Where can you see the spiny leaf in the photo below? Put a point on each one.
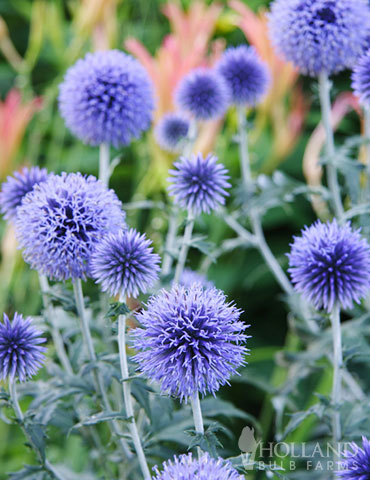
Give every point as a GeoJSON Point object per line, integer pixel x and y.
{"type": "Point", "coordinates": [116, 309]}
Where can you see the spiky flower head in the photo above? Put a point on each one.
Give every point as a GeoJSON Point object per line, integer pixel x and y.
{"type": "Point", "coordinates": [124, 263]}
{"type": "Point", "coordinates": [21, 355]}
{"type": "Point", "coordinates": [107, 97]}
{"type": "Point", "coordinates": [330, 264]}
{"type": "Point", "coordinates": [185, 467]}
{"type": "Point", "coordinates": [199, 183]}
{"type": "Point", "coordinates": [320, 36]}
{"type": "Point", "coordinates": [60, 222]}
{"type": "Point", "coordinates": [189, 277]}
{"type": "Point", "coordinates": [191, 340]}
{"type": "Point", "coordinates": [361, 79]}
{"type": "Point", "coordinates": [172, 131]}
{"type": "Point", "coordinates": [246, 75]}
{"type": "Point", "coordinates": [356, 464]}
{"type": "Point", "coordinates": [203, 93]}
{"type": "Point", "coordinates": [16, 187]}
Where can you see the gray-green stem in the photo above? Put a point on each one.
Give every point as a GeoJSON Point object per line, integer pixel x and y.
{"type": "Point", "coordinates": [185, 246]}
{"type": "Point", "coordinates": [367, 145]}
{"type": "Point", "coordinates": [104, 163]}
{"type": "Point", "coordinates": [324, 90]}
{"type": "Point", "coordinates": [20, 417]}
{"type": "Point", "coordinates": [198, 418]}
{"type": "Point", "coordinates": [337, 375]}
{"type": "Point", "coordinates": [126, 387]}
{"type": "Point", "coordinates": [55, 333]}
{"type": "Point", "coordinates": [259, 237]}
{"type": "Point", "coordinates": [98, 380]}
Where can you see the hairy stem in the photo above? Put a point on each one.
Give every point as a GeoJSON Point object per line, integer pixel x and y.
{"type": "Point", "coordinates": [104, 167]}
{"type": "Point", "coordinates": [324, 90]}
{"type": "Point", "coordinates": [20, 417]}
{"type": "Point", "coordinates": [185, 246]}
{"type": "Point", "coordinates": [259, 237]}
{"type": "Point", "coordinates": [126, 386]}
{"type": "Point", "coordinates": [55, 333]}
{"type": "Point", "coordinates": [198, 418]}
{"type": "Point", "coordinates": [337, 376]}
{"type": "Point", "coordinates": [98, 380]}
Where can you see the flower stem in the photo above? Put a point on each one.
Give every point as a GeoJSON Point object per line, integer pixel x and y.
{"type": "Point", "coordinates": [170, 242]}
{"type": "Point", "coordinates": [185, 246]}
{"type": "Point", "coordinates": [198, 418]}
{"type": "Point", "coordinates": [20, 417]}
{"type": "Point", "coordinates": [324, 90]}
{"type": "Point", "coordinates": [367, 146]}
{"type": "Point", "coordinates": [243, 149]}
{"type": "Point", "coordinates": [104, 168]}
{"type": "Point", "coordinates": [337, 376]}
{"type": "Point", "coordinates": [98, 380]}
{"type": "Point", "coordinates": [259, 237]}
{"type": "Point", "coordinates": [55, 333]}
{"type": "Point", "coordinates": [126, 386]}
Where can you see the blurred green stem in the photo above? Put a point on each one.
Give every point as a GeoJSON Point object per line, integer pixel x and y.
{"type": "Point", "coordinates": [104, 167]}
{"type": "Point", "coordinates": [185, 246]}
{"type": "Point", "coordinates": [20, 417]}
{"type": "Point", "coordinates": [170, 242]}
{"type": "Point", "coordinates": [337, 376]}
{"type": "Point", "coordinates": [198, 418]}
{"type": "Point", "coordinates": [98, 380]}
{"type": "Point", "coordinates": [55, 333]}
{"type": "Point", "coordinates": [324, 90]}
{"type": "Point", "coordinates": [126, 386]}
{"type": "Point", "coordinates": [259, 236]}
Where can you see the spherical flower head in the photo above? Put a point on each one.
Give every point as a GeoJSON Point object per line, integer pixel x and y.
{"type": "Point", "coordinates": [60, 222]}
{"type": "Point", "coordinates": [124, 263]}
{"type": "Point", "coordinates": [330, 264]}
{"type": "Point", "coordinates": [320, 36]}
{"type": "Point", "coordinates": [191, 340]}
{"type": "Point", "coordinates": [17, 186]}
{"type": "Point", "coordinates": [246, 75]}
{"type": "Point", "coordinates": [185, 467]}
{"type": "Point", "coordinates": [203, 93]}
{"type": "Point", "coordinates": [198, 183]}
{"type": "Point", "coordinates": [21, 355]}
{"type": "Point", "coordinates": [356, 465]}
{"type": "Point", "coordinates": [107, 97]}
{"type": "Point", "coordinates": [172, 131]}
{"type": "Point", "coordinates": [361, 80]}
{"type": "Point", "coordinates": [189, 277]}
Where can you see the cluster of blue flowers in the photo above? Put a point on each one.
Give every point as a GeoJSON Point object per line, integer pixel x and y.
{"type": "Point", "coordinates": [191, 339]}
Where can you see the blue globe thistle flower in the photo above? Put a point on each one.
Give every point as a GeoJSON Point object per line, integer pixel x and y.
{"type": "Point", "coordinates": [185, 467]}
{"type": "Point", "coordinates": [21, 355]}
{"type": "Point", "coordinates": [247, 76]}
{"type": "Point", "coordinates": [203, 93]}
{"type": "Point", "coordinates": [189, 277]}
{"type": "Point", "coordinates": [171, 131]}
{"type": "Point", "coordinates": [191, 341]}
{"type": "Point", "coordinates": [320, 36]}
{"type": "Point", "coordinates": [199, 183]}
{"type": "Point", "coordinates": [107, 97]}
{"type": "Point", "coordinates": [124, 263]}
{"type": "Point", "coordinates": [61, 220]}
{"type": "Point", "coordinates": [330, 263]}
{"type": "Point", "coordinates": [361, 79]}
{"type": "Point", "coordinates": [356, 465]}
{"type": "Point", "coordinates": [17, 186]}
